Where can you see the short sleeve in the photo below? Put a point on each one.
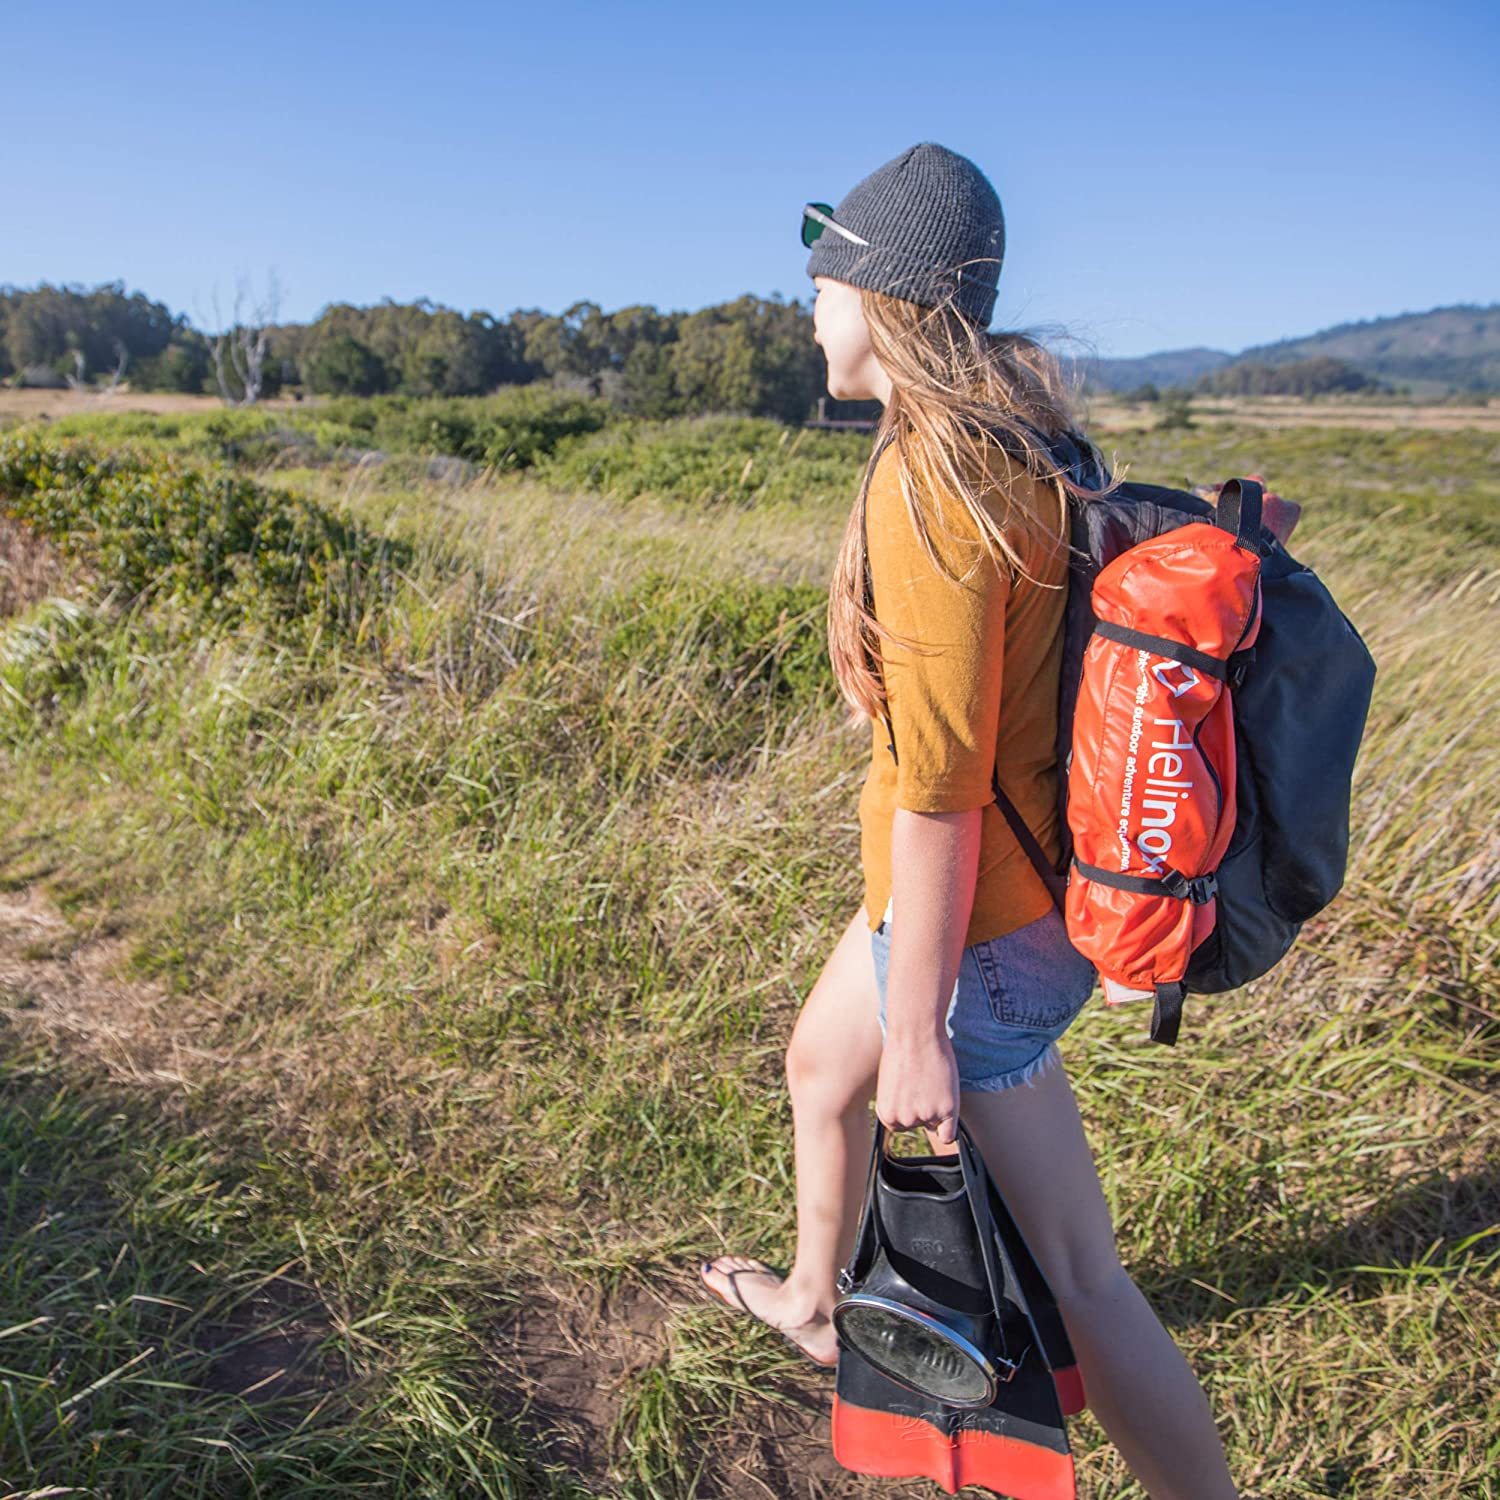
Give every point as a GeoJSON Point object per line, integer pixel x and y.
{"type": "Point", "coordinates": [944, 703]}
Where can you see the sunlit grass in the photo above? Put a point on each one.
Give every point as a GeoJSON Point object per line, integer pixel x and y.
{"type": "Point", "coordinates": [479, 953]}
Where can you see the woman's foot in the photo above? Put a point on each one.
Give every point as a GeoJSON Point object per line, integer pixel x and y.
{"type": "Point", "coordinates": [744, 1282]}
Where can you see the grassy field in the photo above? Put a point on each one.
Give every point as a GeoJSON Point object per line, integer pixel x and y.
{"type": "Point", "coordinates": [1107, 410]}
{"type": "Point", "coordinates": [404, 910]}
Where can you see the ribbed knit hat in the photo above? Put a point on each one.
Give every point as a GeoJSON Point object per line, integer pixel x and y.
{"type": "Point", "coordinates": [934, 225]}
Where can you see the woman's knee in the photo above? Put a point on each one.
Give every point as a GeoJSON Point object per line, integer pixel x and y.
{"type": "Point", "coordinates": [821, 1078]}
{"type": "Point", "coordinates": [833, 1056]}
{"type": "Point", "coordinates": [808, 1074]}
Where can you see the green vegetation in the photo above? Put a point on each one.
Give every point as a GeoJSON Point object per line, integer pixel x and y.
{"type": "Point", "coordinates": [752, 355]}
{"type": "Point", "coordinates": [424, 882]}
{"type": "Point", "coordinates": [1176, 412]}
{"type": "Point", "coordinates": [512, 429]}
{"type": "Point", "coordinates": [248, 436]}
{"type": "Point", "coordinates": [210, 541]}
{"type": "Point", "coordinates": [1455, 348]}
{"type": "Point", "coordinates": [711, 460]}
{"type": "Point", "coordinates": [53, 332]}
{"type": "Point", "coordinates": [152, 1275]}
{"type": "Point", "coordinates": [1419, 501]}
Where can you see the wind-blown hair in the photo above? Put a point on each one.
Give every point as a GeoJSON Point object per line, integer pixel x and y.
{"type": "Point", "coordinates": [965, 404]}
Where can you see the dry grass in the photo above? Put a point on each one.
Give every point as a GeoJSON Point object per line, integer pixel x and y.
{"type": "Point", "coordinates": [457, 985]}
{"type": "Point", "coordinates": [1367, 414]}
{"type": "Point", "coordinates": [31, 568]}
{"type": "Point", "coordinates": [33, 405]}
{"type": "Point", "coordinates": [1104, 410]}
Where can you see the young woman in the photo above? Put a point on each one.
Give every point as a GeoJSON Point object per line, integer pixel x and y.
{"type": "Point", "coordinates": [949, 988]}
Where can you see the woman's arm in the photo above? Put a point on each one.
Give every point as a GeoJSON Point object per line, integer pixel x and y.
{"type": "Point", "coordinates": [934, 864]}
{"type": "Point", "coordinates": [944, 710]}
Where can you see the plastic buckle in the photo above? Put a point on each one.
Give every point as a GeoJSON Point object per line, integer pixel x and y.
{"type": "Point", "coordinates": [1195, 888]}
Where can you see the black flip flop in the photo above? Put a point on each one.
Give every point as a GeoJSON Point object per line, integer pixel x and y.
{"type": "Point", "coordinates": [734, 1285]}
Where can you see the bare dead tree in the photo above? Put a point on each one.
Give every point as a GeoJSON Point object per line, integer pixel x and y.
{"type": "Point", "coordinates": [119, 375]}
{"type": "Point", "coordinates": [75, 380]}
{"type": "Point", "coordinates": [239, 351]}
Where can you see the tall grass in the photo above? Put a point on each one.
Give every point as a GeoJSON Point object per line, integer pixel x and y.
{"type": "Point", "coordinates": [464, 969]}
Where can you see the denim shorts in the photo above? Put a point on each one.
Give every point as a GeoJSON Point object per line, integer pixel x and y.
{"type": "Point", "coordinates": [1014, 996]}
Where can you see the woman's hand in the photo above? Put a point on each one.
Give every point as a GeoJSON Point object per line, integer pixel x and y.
{"type": "Point", "coordinates": [918, 1084]}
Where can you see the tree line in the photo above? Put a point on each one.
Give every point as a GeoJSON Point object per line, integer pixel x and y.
{"type": "Point", "coordinates": [1318, 375]}
{"type": "Point", "coordinates": [754, 355]}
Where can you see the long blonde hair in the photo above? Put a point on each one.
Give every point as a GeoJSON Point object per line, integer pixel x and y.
{"type": "Point", "coordinates": [959, 394]}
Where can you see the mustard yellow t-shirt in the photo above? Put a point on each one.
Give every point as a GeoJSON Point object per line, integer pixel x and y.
{"type": "Point", "coordinates": [988, 699]}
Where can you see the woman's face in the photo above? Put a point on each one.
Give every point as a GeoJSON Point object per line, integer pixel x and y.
{"type": "Point", "coordinates": [840, 331]}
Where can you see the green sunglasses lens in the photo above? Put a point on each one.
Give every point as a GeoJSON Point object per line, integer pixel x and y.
{"type": "Point", "coordinates": [811, 228]}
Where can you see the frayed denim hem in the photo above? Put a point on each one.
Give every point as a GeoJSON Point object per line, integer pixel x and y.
{"type": "Point", "coordinates": [1038, 1065]}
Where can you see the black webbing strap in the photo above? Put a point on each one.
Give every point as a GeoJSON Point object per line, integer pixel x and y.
{"type": "Point", "coordinates": [999, 1273]}
{"type": "Point", "coordinates": [1195, 888]}
{"type": "Point", "coordinates": [1040, 1303]}
{"type": "Point", "coordinates": [1054, 882]}
{"type": "Point", "coordinates": [1238, 510]}
{"type": "Point", "coordinates": [1159, 645]}
{"type": "Point", "coordinates": [1166, 1012]}
{"type": "Point", "coordinates": [867, 1236]}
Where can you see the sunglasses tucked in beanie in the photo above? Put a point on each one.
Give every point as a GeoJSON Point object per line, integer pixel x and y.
{"type": "Point", "coordinates": [933, 227]}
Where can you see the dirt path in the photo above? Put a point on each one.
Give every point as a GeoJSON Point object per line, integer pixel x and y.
{"type": "Point", "coordinates": [558, 1367]}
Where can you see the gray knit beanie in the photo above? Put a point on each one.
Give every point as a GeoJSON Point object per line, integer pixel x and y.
{"type": "Point", "coordinates": [934, 225]}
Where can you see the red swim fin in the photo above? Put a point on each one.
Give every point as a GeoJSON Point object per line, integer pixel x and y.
{"type": "Point", "coordinates": [1016, 1446]}
{"type": "Point", "coordinates": [1070, 1392]}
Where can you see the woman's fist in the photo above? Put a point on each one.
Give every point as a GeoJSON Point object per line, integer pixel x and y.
{"type": "Point", "coordinates": [918, 1085]}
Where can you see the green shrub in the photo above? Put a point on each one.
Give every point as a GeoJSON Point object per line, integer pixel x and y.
{"type": "Point", "coordinates": [708, 460]}
{"type": "Point", "coordinates": [248, 436]}
{"type": "Point", "coordinates": [207, 538]}
{"type": "Point", "coordinates": [1176, 413]}
{"type": "Point", "coordinates": [512, 429]}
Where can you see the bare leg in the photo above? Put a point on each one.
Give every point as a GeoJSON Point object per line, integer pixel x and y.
{"type": "Point", "coordinates": [832, 1063]}
{"type": "Point", "coordinates": [1138, 1384]}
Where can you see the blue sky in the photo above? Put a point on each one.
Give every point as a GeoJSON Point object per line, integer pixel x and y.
{"type": "Point", "coordinates": [1172, 174]}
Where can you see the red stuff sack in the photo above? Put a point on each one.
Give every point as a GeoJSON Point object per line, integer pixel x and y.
{"type": "Point", "coordinates": [1151, 786]}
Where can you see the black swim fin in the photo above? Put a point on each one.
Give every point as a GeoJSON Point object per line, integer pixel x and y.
{"type": "Point", "coordinates": [1016, 1446]}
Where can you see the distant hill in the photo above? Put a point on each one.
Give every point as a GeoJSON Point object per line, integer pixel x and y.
{"type": "Point", "coordinates": [1170, 367]}
{"type": "Point", "coordinates": [1457, 347]}
{"type": "Point", "coordinates": [1447, 349]}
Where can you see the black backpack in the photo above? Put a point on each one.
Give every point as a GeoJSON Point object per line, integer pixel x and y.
{"type": "Point", "coordinates": [1300, 698]}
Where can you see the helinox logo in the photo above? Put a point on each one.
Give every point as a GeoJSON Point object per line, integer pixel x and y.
{"type": "Point", "coordinates": [1164, 669]}
{"type": "Point", "coordinates": [1164, 791]}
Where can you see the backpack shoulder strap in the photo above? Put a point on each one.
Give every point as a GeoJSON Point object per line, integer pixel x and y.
{"type": "Point", "coordinates": [1054, 882]}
